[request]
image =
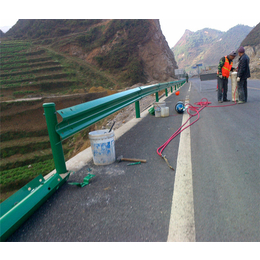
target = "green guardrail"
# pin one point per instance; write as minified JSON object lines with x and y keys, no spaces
{"x":21,"y":205}
{"x":78,"y":117}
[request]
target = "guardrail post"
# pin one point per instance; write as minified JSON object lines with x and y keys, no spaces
{"x":55,"y":140}
{"x":166,"y":92}
{"x":157,"y":97}
{"x":171,"y":89}
{"x":175,"y":87}
{"x":137,"y":109}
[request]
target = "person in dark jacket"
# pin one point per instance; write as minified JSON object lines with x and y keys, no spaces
{"x":243,"y":73}
{"x":187,"y":77}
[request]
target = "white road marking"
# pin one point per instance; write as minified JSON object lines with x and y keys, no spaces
{"x":182,"y":223}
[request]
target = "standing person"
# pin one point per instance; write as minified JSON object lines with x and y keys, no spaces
{"x":187,"y":77}
{"x":224,"y":68}
{"x":243,"y":72}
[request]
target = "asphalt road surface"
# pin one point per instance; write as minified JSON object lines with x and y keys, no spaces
{"x":213,"y":194}
{"x":225,"y":148}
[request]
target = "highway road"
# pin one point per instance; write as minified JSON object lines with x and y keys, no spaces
{"x":225,"y":148}
{"x":212,"y":195}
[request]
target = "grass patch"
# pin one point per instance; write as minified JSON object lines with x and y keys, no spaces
{"x":16,"y":178}
{"x":21,"y":93}
{"x":7,"y":152}
{"x":12,"y":135}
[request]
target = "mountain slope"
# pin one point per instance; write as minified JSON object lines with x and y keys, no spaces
{"x":48,"y":28}
{"x":190,"y":49}
{"x":230,"y":41}
{"x":253,"y":38}
{"x":207,"y":46}
{"x":1,"y":33}
{"x":115,"y":46}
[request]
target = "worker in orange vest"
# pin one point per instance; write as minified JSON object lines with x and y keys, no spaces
{"x":224,"y":68}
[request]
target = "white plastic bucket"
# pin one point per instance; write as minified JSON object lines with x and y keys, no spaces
{"x":102,"y":146}
{"x":157,"y":108}
{"x":234,"y":86}
{"x":164,"y":111}
{"x":157,"y":112}
{"x":159,"y":104}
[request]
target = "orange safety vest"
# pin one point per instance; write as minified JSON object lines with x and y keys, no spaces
{"x":226,"y":68}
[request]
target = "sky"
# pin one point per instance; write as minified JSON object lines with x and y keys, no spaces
{"x":173,"y":34}
{"x":175,"y":16}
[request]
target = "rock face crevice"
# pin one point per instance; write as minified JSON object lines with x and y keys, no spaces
{"x":158,"y":59}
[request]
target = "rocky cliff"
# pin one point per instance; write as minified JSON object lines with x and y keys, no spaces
{"x":252,"y":48}
{"x":139,"y":50}
{"x":253,"y":53}
{"x":158,"y":60}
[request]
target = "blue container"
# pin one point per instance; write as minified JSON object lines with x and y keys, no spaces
{"x":180,"y":107}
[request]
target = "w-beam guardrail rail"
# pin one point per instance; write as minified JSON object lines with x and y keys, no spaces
{"x":208,"y":76}
{"x":21,"y":205}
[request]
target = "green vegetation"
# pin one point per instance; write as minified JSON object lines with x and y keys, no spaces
{"x":7,"y":152}
{"x":91,"y":39}
{"x":18,"y":177}
{"x":24,"y":67}
{"x":28,"y":68}
{"x":123,"y":55}
{"x":13,"y":135}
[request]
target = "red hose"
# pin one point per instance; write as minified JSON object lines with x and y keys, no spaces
{"x":190,"y":108}
{"x":202,"y":104}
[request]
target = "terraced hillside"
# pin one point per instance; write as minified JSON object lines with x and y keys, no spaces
{"x":29,"y":70}
{"x":32,"y":70}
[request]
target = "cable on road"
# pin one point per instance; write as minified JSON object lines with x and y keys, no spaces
{"x":193,"y":111}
